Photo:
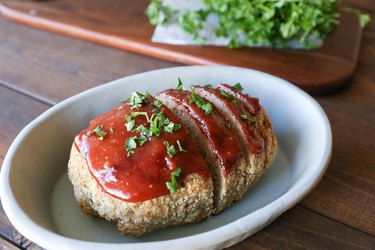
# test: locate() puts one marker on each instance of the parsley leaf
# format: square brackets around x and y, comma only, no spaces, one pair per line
[173,185]
[157,103]
[130,145]
[171,151]
[98,131]
[180,147]
[238,87]
[245,117]
[179,84]
[194,98]
[142,139]
[207,107]
[226,94]
[254,122]
[111,129]
[169,127]
[157,123]
[130,125]
[260,22]
[135,114]
[137,99]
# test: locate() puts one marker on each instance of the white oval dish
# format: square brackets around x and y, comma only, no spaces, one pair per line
[38,198]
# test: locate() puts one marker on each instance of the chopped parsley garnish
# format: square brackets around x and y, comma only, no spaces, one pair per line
[245,117]
[130,125]
[144,131]
[98,131]
[260,22]
[157,103]
[236,101]
[254,122]
[166,121]
[180,147]
[171,150]
[207,107]
[130,145]
[156,123]
[179,84]
[226,94]
[135,114]
[157,111]
[111,129]
[208,86]
[173,185]
[142,139]
[171,127]
[238,87]
[137,99]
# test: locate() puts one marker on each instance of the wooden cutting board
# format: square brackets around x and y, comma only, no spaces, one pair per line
[122,24]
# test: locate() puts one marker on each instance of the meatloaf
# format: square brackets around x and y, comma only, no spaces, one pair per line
[172,159]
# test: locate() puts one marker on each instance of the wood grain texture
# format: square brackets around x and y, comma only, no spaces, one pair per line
[314,232]
[123,24]
[61,66]
[19,112]
[347,191]
[6,245]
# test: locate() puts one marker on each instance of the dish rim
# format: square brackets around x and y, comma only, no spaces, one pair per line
[266,214]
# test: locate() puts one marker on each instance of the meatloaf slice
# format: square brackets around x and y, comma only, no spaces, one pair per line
[123,168]
[251,127]
[262,124]
[215,140]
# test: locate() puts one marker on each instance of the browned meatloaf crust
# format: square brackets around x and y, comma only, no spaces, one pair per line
[237,116]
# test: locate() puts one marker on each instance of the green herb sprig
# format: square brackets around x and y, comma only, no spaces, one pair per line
[173,185]
[206,106]
[266,23]
[98,131]
[156,124]
[137,99]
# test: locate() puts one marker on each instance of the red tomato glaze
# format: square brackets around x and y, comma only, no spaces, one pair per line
[222,139]
[142,175]
[250,102]
[254,141]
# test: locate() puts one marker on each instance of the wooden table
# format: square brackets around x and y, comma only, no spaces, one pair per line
[39,69]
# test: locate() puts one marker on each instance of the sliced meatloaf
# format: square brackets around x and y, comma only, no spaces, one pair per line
[174,159]
[257,116]
[251,126]
[215,140]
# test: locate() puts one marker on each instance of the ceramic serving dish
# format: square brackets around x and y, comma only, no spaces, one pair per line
[38,198]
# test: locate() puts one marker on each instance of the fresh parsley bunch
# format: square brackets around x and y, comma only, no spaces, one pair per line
[272,23]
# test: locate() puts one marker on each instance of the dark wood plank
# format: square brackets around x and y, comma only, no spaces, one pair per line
[347,191]
[16,112]
[302,229]
[55,67]
[123,24]
[6,245]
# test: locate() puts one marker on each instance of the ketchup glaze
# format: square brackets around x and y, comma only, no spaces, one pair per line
[254,141]
[221,138]
[142,175]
